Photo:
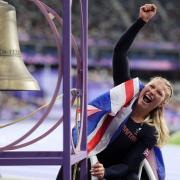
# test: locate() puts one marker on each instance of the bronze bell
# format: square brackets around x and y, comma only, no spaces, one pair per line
[13,72]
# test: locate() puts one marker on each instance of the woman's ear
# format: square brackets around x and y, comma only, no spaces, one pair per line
[163,103]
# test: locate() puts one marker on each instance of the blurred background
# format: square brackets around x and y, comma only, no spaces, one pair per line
[155,52]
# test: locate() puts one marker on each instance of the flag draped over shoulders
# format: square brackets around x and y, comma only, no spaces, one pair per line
[112,108]
[107,114]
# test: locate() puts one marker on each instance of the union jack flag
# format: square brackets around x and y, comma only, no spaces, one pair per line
[107,112]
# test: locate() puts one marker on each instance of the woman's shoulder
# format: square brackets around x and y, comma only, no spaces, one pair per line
[149,130]
[149,134]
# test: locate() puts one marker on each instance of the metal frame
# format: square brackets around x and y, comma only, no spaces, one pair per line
[64,158]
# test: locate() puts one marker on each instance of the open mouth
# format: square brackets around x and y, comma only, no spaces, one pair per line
[147,98]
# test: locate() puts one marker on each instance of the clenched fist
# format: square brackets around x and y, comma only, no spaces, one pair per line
[147,11]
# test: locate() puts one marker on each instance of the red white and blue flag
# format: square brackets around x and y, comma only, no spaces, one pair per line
[107,112]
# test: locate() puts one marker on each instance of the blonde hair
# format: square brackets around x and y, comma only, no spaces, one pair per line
[156,116]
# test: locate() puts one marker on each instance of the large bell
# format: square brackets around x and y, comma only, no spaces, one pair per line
[13,72]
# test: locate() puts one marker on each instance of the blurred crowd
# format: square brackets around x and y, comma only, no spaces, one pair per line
[165,26]
[31,23]
[107,19]
[18,104]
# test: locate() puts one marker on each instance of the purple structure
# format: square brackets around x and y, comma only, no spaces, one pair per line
[68,160]
[65,157]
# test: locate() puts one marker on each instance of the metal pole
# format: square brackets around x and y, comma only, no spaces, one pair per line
[66,89]
[84,52]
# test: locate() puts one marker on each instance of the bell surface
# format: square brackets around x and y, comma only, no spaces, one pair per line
[13,72]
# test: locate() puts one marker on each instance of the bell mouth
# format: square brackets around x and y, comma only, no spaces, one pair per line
[19,85]
[15,76]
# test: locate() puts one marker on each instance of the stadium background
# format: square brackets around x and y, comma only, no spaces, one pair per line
[155,51]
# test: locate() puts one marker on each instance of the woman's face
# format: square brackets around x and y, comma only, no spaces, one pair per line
[153,95]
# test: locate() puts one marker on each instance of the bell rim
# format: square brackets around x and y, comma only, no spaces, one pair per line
[16,85]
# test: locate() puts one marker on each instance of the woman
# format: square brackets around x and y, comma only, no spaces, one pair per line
[145,127]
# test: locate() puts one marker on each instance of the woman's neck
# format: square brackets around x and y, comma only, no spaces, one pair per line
[137,115]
